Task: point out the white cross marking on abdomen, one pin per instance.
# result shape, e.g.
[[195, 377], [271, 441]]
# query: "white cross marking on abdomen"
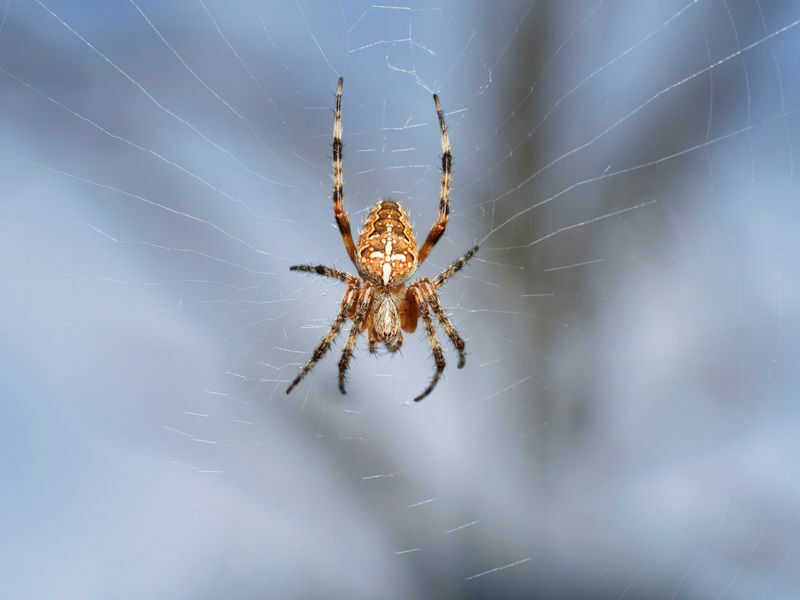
[[386, 256]]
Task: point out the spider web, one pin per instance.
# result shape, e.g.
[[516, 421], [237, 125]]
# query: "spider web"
[[625, 425]]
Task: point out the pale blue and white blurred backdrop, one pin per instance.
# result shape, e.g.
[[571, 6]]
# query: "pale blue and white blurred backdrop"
[[627, 423]]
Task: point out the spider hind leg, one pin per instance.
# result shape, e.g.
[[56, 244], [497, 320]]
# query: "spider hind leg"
[[438, 228], [342, 220]]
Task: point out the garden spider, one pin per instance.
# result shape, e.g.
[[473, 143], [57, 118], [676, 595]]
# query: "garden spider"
[[385, 257]]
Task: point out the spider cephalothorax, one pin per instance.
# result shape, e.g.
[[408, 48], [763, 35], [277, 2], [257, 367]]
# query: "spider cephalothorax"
[[386, 256]]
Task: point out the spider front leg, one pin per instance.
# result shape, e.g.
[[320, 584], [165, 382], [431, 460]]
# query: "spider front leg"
[[362, 310], [426, 289], [346, 307], [433, 342]]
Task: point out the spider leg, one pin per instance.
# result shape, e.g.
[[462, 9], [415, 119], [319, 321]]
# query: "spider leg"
[[358, 319], [327, 272], [436, 349], [444, 194], [348, 301], [342, 220], [432, 299], [454, 268]]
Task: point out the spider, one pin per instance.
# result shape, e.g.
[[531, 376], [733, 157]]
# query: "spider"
[[385, 257]]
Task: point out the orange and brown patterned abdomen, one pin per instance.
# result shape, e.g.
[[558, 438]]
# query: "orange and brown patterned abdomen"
[[386, 247]]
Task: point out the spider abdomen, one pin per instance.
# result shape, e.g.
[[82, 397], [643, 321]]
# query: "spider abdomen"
[[387, 248]]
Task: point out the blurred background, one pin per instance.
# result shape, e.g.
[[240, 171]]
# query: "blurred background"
[[627, 422]]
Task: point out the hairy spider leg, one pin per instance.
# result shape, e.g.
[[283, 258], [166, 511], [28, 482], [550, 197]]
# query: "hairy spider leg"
[[436, 348], [327, 272], [362, 310], [426, 289], [348, 302], [454, 268], [342, 220], [437, 231]]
